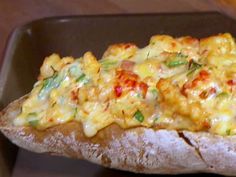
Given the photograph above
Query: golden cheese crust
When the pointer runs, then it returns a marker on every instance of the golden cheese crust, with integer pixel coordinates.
(140, 150)
(172, 83)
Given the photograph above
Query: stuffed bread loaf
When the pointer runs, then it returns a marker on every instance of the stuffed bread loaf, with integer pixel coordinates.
(167, 108)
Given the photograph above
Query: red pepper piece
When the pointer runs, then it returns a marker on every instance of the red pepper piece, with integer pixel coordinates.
(118, 90)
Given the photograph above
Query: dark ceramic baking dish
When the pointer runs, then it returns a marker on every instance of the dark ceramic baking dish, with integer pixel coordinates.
(74, 35)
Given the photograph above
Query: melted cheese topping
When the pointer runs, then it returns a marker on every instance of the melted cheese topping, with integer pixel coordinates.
(173, 83)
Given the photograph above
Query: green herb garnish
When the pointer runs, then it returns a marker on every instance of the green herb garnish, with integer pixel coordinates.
(32, 119)
(32, 114)
(154, 92)
(223, 94)
(180, 55)
(177, 60)
(156, 119)
(138, 95)
(172, 64)
(33, 123)
(49, 84)
(228, 131)
(148, 55)
(75, 112)
(108, 64)
(75, 71)
(193, 66)
(82, 79)
(139, 116)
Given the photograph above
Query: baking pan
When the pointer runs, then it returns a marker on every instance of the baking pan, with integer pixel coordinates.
(72, 36)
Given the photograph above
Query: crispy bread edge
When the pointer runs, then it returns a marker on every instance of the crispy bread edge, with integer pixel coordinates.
(140, 150)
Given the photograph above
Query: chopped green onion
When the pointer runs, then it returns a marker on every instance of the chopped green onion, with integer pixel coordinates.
(152, 43)
(191, 71)
(108, 64)
(75, 71)
(32, 114)
(138, 95)
(82, 79)
(172, 64)
(148, 54)
(53, 104)
(180, 55)
(176, 60)
(32, 119)
(49, 84)
(154, 92)
(193, 66)
(33, 123)
(228, 131)
(76, 110)
(223, 94)
(155, 119)
(139, 116)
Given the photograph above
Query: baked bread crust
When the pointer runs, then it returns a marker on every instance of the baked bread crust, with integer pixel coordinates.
(140, 150)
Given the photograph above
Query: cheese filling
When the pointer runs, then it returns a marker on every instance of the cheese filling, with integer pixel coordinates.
(173, 83)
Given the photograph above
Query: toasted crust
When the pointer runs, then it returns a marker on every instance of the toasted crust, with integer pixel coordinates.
(140, 150)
